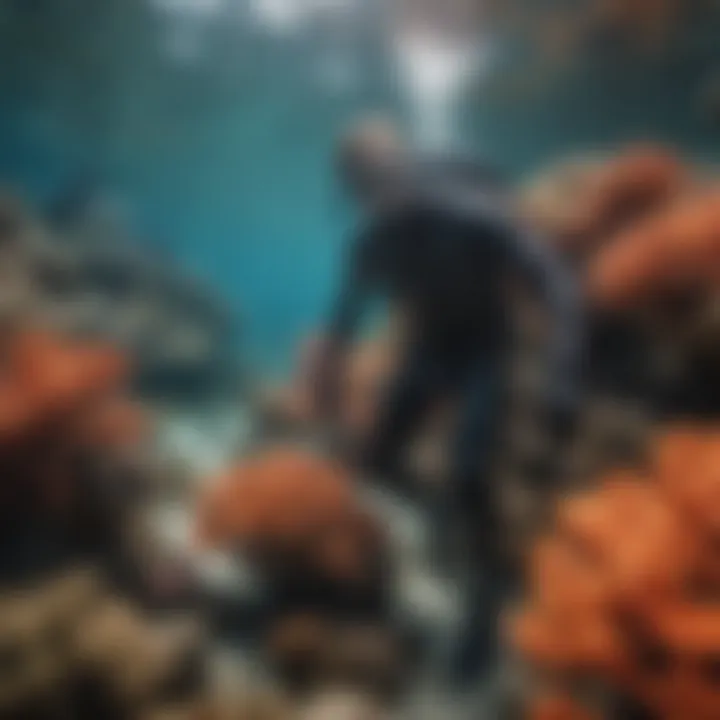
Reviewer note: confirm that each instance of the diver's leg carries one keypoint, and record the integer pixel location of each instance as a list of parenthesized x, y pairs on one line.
[(477, 515), (408, 397)]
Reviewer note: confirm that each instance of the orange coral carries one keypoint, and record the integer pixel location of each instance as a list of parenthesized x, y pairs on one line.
[(288, 505), (698, 492), (115, 422), (625, 591), (46, 378), (635, 182), (582, 203), (58, 398), (557, 707), (673, 251)]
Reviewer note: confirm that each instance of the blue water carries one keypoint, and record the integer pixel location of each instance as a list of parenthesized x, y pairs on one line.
[(223, 155)]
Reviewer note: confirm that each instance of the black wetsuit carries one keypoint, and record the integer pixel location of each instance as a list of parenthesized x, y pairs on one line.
[(444, 255)]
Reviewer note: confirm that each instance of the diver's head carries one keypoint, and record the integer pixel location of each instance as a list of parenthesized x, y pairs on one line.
[(369, 159)]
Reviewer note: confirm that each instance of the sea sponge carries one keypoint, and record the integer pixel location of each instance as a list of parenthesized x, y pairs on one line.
[(289, 506), (624, 591)]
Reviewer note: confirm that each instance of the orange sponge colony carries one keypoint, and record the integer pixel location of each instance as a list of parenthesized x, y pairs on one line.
[(290, 507), (674, 251), (626, 590)]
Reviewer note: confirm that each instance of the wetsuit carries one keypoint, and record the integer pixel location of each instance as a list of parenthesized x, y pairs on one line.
[(444, 254)]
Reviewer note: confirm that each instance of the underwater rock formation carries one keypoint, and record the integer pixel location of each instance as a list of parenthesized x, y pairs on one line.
[(77, 464), (75, 644), (313, 654), (94, 280), (625, 591)]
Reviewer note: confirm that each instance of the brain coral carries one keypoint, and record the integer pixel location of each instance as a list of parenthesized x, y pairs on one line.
[(290, 506)]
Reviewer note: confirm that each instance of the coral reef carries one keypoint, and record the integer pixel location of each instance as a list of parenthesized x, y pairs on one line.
[(625, 593), (640, 227), (49, 380), (66, 427), (674, 252), (92, 279), (580, 203), (78, 463), (81, 577)]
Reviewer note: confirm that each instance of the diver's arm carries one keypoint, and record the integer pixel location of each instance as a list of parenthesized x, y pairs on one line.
[(341, 328), (547, 275)]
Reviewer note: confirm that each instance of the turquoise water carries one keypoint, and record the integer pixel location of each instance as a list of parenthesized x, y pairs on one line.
[(217, 135)]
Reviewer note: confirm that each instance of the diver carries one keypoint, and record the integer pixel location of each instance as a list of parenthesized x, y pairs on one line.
[(440, 243)]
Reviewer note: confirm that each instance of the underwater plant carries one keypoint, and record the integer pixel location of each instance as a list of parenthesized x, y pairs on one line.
[(625, 591)]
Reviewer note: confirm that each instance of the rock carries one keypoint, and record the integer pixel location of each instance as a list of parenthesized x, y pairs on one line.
[(97, 282), (342, 705), (134, 657)]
